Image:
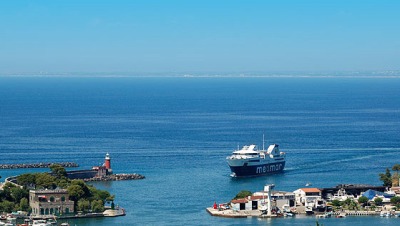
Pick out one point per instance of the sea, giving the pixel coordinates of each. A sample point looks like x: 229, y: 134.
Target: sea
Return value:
x: 177, y: 132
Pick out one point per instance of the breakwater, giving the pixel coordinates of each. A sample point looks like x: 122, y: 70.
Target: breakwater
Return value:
x: 115, y: 177
x: 37, y: 165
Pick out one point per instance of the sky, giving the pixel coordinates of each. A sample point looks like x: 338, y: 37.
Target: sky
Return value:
x: 185, y: 36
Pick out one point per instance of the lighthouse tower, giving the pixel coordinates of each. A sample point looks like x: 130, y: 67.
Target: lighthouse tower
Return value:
x: 107, y: 163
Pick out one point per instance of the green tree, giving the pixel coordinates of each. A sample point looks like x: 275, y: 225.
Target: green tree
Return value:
x: 396, y: 178
x: 363, y: 200
x: 97, y: 206
x: 58, y: 171
x: 6, y: 192
x: 84, y: 205
x: 7, y: 206
x: 395, y: 200
x: 243, y: 194
x: 84, y: 187
x: 378, y: 201
x: 26, y: 179
x: 18, y: 193
x: 99, y: 194
x: 24, y: 205
x: 336, y: 203
x: 110, y: 198
x: 45, y: 180
x: 75, y: 192
x: 386, y: 178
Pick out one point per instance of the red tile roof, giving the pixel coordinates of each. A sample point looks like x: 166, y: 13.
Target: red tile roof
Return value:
x: 239, y: 201
x: 310, y: 189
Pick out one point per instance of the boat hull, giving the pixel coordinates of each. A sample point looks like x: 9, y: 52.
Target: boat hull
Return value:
x: 257, y: 170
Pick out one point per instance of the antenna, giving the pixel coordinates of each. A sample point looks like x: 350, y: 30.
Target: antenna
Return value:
x: 263, y: 142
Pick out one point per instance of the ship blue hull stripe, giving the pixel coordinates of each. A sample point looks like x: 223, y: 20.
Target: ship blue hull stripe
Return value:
x: 243, y: 171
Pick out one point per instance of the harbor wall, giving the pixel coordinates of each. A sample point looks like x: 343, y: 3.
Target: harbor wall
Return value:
x: 81, y: 174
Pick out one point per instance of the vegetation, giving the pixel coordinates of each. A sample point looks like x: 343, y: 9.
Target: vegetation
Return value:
x: 243, y: 194
x: 363, y: 200
x: 13, y: 198
x: 396, y: 178
x: 386, y: 178
x: 86, y: 197
x: 378, y: 201
x: 395, y: 201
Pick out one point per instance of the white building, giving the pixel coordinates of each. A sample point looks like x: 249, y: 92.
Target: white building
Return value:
x: 309, y: 197
x: 259, y: 199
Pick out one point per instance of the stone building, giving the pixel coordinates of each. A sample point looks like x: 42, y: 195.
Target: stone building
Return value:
x: 50, y: 202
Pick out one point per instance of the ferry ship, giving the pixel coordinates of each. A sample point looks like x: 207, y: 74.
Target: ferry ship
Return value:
x: 249, y: 161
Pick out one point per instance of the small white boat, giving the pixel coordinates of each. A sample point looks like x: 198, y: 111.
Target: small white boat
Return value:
x: 385, y: 214
x: 288, y: 214
x: 341, y: 215
x: 324, y: 215
x: 41, y: 223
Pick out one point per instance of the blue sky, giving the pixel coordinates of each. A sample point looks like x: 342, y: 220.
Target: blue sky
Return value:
x: 198, y: 36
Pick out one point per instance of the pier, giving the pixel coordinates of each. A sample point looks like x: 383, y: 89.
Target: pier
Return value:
x: 233, y: 213
x: 37, y: 165
x: 116, y: 177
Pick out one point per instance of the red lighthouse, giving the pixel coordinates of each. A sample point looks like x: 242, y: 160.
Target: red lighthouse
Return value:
x: 107, y: 162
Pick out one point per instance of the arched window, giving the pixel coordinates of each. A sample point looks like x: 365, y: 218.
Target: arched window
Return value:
x: 62, y: 198
x: 47, y: 211
x: 67, y: 210
x: 41, y: 211
x: 51, y: 210
x: 52, y: 199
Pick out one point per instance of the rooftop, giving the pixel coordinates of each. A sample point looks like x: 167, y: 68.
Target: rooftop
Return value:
x: 310, y: 189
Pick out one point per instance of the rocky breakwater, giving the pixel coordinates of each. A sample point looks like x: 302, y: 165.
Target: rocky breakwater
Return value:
x: 115, y: 177
x: 37, y: 165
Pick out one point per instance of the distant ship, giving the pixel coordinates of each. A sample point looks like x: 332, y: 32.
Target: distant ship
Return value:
x: 252, y: 162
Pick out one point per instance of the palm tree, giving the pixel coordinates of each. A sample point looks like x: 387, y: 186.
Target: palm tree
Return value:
x: 396, y: 168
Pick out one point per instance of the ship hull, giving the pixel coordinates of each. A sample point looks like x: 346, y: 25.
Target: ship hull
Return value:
x: 257, y: 170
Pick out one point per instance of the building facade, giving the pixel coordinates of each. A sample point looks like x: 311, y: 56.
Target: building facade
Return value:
x: 50, y: 202
x: 308, y: 197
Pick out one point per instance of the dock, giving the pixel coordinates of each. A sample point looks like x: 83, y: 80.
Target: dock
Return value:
x: 38, y: 165
x: 230, y: 213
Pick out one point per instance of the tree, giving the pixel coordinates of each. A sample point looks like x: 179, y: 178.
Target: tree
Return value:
x: 84, y: 187
x: 243, y: 194
x: 6, y: 193
x: 378, y: 201
x: 18, y: 193
x: 97, y: 206
x: 396, y: 178
x: 6, y: 206
x: 84, y: 205
x: 45, y: 180
x: 395, y: 200
x: 75, y: 192
x: 24, y: 205
x: 99, y: 194
x: 363, y: 200
x: 58, y: 171
x: 336, y: 203
x: 26, y: 179
x: 386, y: 178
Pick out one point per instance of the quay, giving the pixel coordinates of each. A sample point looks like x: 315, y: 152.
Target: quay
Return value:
x: 116, y: 177
x: 233, y: 213
x: 37, y: 165
x: 320, y: 203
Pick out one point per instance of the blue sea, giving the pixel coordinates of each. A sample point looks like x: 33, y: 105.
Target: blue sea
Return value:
x: 177, y: 132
